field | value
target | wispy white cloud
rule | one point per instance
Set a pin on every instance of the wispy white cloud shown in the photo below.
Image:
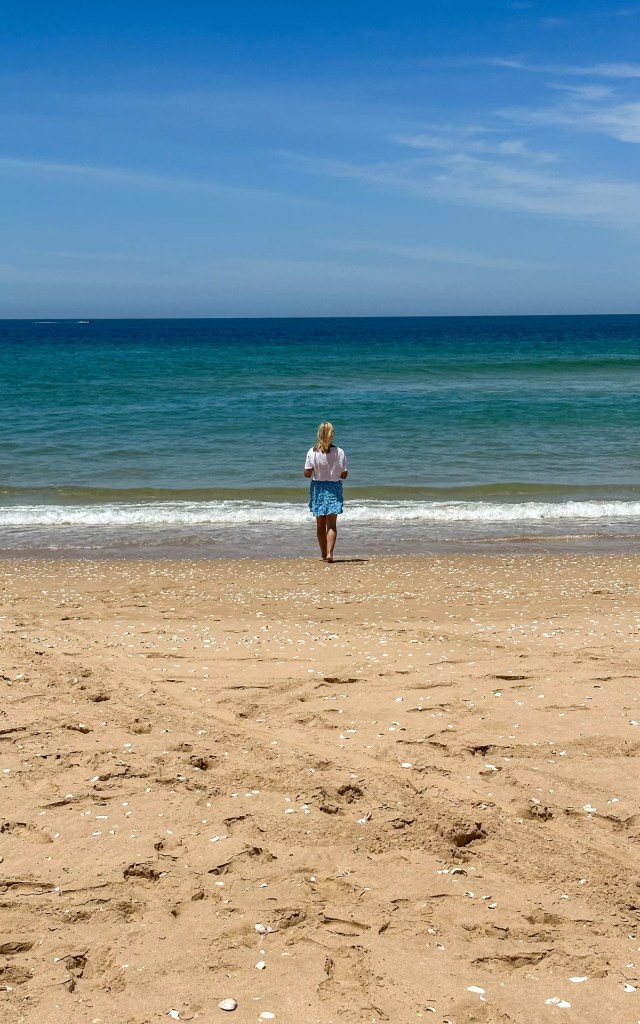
(494, 184)
(590, 107)
(622, 70)
(619, 120)
(589, 92)
(470, 141)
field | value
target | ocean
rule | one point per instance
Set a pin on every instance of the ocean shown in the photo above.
(187, 438)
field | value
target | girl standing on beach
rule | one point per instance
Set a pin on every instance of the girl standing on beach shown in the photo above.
(326, 467)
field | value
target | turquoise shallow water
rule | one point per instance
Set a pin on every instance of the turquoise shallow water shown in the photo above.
(192, 433)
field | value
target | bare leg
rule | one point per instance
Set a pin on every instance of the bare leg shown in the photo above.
(321, 531)
(331, 535)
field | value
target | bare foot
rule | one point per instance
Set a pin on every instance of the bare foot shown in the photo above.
(329, 558)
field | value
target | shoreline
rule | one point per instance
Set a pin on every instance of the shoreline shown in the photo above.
(298, 542)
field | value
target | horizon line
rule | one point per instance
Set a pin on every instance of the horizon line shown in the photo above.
(346, 316)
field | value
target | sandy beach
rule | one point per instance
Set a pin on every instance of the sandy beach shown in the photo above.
(385, 790)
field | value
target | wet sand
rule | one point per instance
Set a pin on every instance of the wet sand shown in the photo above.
(418, 775)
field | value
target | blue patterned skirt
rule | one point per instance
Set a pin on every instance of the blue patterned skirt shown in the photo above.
(325, 498)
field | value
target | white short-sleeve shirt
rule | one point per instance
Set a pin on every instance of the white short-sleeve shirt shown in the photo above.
(326, 466)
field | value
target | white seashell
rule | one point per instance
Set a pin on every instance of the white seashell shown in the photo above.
(406, 764)
(173, 1014)
(260, 966)
(227, 1004)
(475, 988)
(564, 1005)
(578, 980)
(261, 930)
(589, 809)
(266, 1015)
(457, 871)
(628, 988)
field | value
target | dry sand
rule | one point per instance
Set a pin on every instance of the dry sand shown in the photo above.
(420, 775)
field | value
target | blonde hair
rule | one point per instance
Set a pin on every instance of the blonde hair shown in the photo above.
(325, 437)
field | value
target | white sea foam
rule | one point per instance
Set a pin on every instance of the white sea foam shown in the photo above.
(256, 513)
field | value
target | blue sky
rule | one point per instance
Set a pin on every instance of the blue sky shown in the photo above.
(319, 159)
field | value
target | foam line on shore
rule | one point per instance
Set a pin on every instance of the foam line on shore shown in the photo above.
(246, 513)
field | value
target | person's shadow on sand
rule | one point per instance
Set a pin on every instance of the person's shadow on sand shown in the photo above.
(345, 561)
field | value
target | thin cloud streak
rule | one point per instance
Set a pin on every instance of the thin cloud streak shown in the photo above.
(613, 70)
(114, 175)
(438, 254)
(467, 180)
(469, 142)
(619, 121)
(119, 176)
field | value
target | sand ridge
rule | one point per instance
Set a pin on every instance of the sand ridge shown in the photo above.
(419, 775)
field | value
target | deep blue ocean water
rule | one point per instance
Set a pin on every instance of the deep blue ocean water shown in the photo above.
(192, 433)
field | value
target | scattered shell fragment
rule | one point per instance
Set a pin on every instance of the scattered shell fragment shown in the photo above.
(264, 929)
(260, 966)
(589, 809)
(578, 980)
(227, 1004)
(475, 988)
(628, 988)
(266, 1015)
(557, 1001)
(173, 1014)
